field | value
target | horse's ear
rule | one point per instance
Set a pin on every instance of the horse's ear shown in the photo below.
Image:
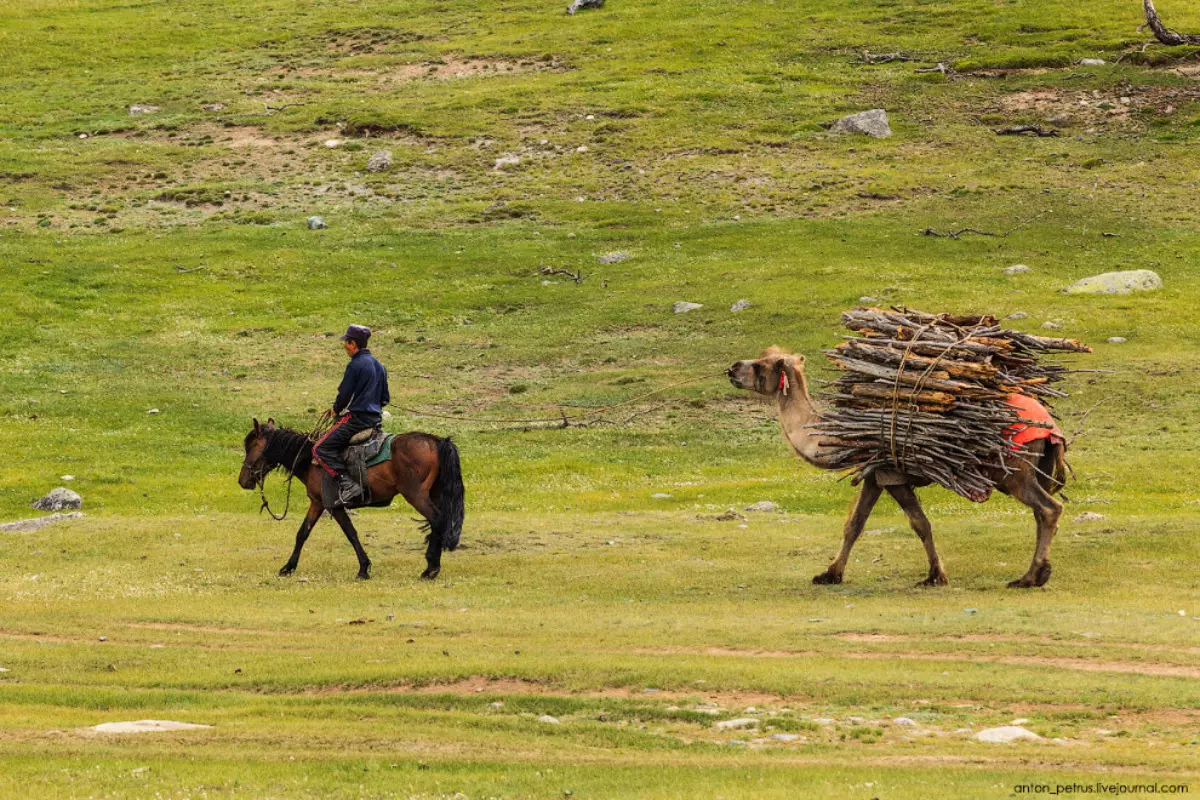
(271, 423)
(257, 427)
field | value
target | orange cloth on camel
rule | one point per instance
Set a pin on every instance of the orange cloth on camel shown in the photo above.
(1031, 410)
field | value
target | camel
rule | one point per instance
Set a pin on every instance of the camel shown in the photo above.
(1032, 477)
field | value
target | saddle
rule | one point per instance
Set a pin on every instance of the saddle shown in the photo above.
(364, 450)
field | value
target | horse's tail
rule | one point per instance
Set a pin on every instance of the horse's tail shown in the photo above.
(1052, 466)
(448, 495)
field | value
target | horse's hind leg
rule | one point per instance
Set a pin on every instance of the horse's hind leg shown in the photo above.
(420, 500)
(310, 519)
(1046, 510)
(364, 563)
(907, 498)
(867, 496)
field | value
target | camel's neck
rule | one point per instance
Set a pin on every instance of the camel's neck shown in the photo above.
(796, 411)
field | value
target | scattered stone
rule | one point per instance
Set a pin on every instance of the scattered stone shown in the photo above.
(332, 143)
(57, 500)
(316, 224)
(583, 5)
(1017, 315)
(583, 148)
(737, 724)
(1006, 734)
(570, 235)
(496, 704)
(786, 737)
(549, 720)
(660, 495)
(29, 525)
(615, 257)
(212, 107)
(67, 478)
(763, 505)
(904, 722)
(824, 721)
(1017, 269)
(871, 123)
(141, 108)
(970, 610)
(380, 162)
(1089, 516)
(1116, 340)
(1092, 62)
(740, 305)
(682, 307)
(729, 515)
(1051, 325)
(1127, 282)
(507, 161)
(866, 298)
(146, 726)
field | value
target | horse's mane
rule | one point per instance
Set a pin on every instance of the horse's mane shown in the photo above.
(287, 447)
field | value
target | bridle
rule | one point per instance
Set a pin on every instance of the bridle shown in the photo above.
(259, 474)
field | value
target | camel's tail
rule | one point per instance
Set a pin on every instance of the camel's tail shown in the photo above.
(1052, 467)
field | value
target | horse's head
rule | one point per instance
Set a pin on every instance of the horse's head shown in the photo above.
(254, 467)
(766, 375)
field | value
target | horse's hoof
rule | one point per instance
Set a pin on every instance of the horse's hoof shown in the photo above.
(285, 570)
(364, 575)
(826, 579)
(430, 573)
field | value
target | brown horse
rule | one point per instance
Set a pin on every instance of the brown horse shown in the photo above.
(423, 468)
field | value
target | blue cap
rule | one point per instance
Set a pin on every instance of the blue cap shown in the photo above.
(357, 333)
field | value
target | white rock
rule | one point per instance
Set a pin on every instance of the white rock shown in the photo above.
(142, 108)
(786, 737)
(507, 161)
(496, 704)
(824, 721)
(549, 720)
(57, 500)
(67, 478)
(872, 123)
(1116, 340)
(1006, 734)
(736, 724)
(763, 505)
(316, 223)
(29, 525)
(660, 495)
(380, 162)
(1089, 516)
(1050, 324)
(740, 305)
(682, 307)
(583, 148)
(904, 722)
(154, 411)
(1091, 62)
(332, 143)
(1017, 315)
(1017, 269)
(146, 726)
(1126, 282)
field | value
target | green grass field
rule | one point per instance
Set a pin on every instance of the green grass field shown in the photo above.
(162, 261)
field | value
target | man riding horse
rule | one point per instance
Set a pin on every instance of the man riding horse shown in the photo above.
(361, 397)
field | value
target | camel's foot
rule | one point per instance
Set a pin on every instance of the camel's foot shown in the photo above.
(827, 578)
(430, 573)
(364, 574)
(1037, 576)
(286, 569)
(936, 577)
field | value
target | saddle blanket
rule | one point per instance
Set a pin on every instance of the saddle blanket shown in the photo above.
(1030, 410)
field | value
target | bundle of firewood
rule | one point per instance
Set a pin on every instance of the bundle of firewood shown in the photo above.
(925, 394)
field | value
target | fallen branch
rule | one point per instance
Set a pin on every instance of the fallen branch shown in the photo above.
(961, 231)
(271, 108)
(184, 271)
(1017, 130)
(575, 276)
(939, 67)
(1162, 32)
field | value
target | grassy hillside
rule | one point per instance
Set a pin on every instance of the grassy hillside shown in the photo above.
(162, 261)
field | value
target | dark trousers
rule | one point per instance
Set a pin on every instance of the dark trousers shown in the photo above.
(332, 446)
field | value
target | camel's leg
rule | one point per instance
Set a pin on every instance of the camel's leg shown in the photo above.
(364, 563)
(861, 510)
(907, 498)
(1046, 510)
(310, 519)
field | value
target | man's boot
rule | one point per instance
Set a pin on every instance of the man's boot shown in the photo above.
(348, 490)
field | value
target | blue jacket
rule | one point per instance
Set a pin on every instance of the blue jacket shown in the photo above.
(364, 387)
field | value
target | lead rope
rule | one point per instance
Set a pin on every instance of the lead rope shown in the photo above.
(262, 485)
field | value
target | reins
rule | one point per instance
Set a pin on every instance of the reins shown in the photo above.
(262, 481)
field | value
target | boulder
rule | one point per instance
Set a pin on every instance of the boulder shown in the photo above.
(583, 5)
(1006, 734)
(683, 307)
(316, 224)
(871, 123)
(58, 500)
(380, 162)
(1127, 282)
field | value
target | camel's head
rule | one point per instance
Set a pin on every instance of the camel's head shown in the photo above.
(768, 374)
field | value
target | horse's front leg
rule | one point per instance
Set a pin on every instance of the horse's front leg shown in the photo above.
(364, 563)
(310, 519)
